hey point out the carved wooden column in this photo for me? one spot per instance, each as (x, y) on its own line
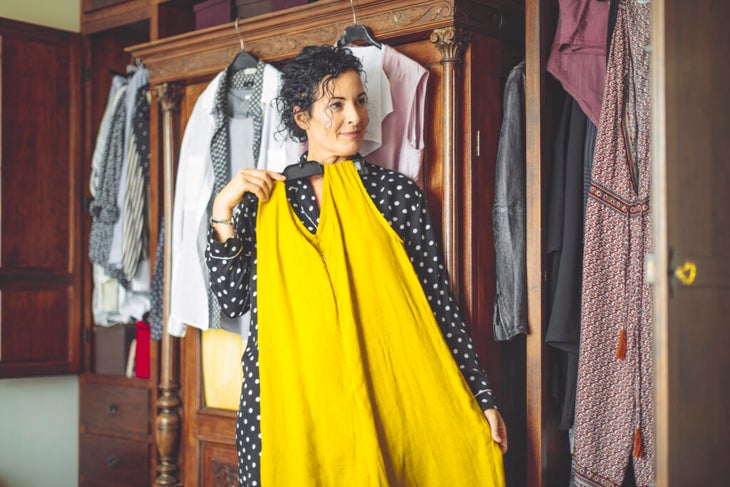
(168, 402)
(451, 42)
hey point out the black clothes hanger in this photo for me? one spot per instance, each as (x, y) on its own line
(243, 59)
(305, 168)
(356, 32)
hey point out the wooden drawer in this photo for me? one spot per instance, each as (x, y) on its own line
(108, 461)
(115, 409)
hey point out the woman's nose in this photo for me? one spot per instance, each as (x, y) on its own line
(353, 115)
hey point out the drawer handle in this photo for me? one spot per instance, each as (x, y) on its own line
(113, 461)
(113, 409)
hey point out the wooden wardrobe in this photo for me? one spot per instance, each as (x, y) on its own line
(469, 48)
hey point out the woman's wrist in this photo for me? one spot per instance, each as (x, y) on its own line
(221, 212)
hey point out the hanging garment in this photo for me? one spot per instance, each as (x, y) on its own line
(139, 80)
(234, 278)
(614, 403)
(104, 298)
(103, 208)
(402, 130)
(588, 152)
(377, 86)
(135, 301)
(564, 246)
(142, 359)
(351, 291)
(578, 54)
(135, 225)
(509, 213)
(103, 133)
(206, 161)
(116, 297)
(158, 285)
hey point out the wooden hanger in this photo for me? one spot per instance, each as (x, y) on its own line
(356, 32)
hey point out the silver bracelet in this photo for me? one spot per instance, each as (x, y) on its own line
(227, 221)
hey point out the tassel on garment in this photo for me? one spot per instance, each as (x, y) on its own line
(638, 450)
(621, 350)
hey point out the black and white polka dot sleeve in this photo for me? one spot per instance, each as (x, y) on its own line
(404, 205)
(229, 263)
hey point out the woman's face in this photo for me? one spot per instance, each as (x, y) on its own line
(336, 123)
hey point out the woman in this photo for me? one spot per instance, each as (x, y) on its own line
(359, 369)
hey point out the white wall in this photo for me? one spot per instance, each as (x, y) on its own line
(61, 14)
(39, 417)
(39, 432)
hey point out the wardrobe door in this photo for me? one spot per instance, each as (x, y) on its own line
(692, 237)
(40, 203)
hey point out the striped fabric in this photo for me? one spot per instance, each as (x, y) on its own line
(136, 239)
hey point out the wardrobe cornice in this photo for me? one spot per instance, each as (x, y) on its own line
(280, 35)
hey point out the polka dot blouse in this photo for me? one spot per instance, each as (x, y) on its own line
(232, 266)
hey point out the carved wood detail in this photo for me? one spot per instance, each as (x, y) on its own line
(224, 475)
(321, 22)
(168, 403)
(451, 43)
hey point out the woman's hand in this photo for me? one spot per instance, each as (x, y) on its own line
(499, 429)
(257, 181)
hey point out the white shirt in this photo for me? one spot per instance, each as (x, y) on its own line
(193, 189)
(377, 86)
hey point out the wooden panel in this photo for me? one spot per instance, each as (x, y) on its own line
(35, 85)
(219, 466)
(89, 5)
(548, 457)
(112, 462)
(689, 208)
(40, 230)
(216, 425)
(115, 409)
(121, 13)
(33, 326)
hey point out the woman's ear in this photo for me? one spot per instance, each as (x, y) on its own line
(301, 118)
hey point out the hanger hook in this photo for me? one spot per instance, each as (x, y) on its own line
(352, 7)
(238, 31)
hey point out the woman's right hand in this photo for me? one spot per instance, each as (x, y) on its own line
(257, 181)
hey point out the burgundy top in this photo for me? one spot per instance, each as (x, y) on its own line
(578, 54)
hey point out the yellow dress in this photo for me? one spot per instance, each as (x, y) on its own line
(358, 387)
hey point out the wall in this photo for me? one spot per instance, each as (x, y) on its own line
(39, 417)
(39, 432)
(61, 14)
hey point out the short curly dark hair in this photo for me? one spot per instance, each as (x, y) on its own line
(301, 79)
